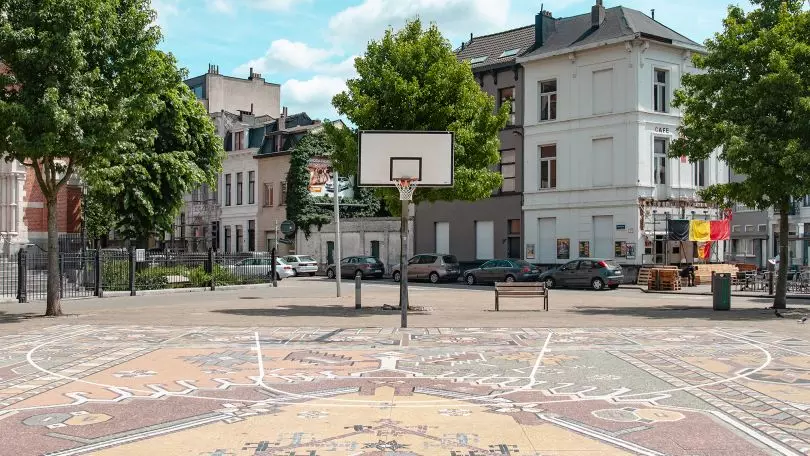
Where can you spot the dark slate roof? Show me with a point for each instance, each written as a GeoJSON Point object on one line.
{"type": "Point", "coordinates": [569, 32]}
{"type": "Point", "coordinates": [619, 22]}
{"type": "Point", "coordinates": [492, 46]}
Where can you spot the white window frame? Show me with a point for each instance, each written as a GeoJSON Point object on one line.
{"type": "Point", "coordinates": [549, 160]}
{"type": "Point", "coordinates": [661, 89]}
{"type": "Point", "coordinates": [547, 99]}
{"type": "Point", "coordinates": [699, 173]}
{"type": "Point", "coordinates": [665, 161]}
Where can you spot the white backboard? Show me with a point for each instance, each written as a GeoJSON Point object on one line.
{"type": "Point", "coordinates": [423, 155]}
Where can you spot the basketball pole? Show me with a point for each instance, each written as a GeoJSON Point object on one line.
{"type": "Point", "coordinates": [403, 261]}
{"type": "Point", "coordinates": [338, 269]}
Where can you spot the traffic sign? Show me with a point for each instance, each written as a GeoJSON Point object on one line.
{"type": "Point", "coordinates": [287, 227]}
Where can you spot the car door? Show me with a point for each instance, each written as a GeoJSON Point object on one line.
{"type": "Point", "coordinates": [426, 266]}
{"type": "Point", "coordinates": [568, 274]}
{"type": "Point", "coordinates": [291, 260]}
{"type": "Point", "coordinates": [347, 267]}
{"type": "Point", "coordinates": [497, 273]}
{"type": "Point", "coordinates": [413, 266]}
{"type": "Point", "coordinates": [485, 272]}
{"type": "Point", "coordinates": [585, 272]}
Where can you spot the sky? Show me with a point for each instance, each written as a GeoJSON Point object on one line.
{"type": "Point", "coordinates": [309, 46]}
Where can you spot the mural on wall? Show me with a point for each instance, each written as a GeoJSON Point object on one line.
{"type": "Point", "coordinates": [563, 248]}
{"type": "Point", "coordinates": [321, 182]}
{"type": "Point", "coordinates": [584, 249]}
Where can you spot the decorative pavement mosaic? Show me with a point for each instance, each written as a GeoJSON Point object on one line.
{"type": "Point", "coordinates": [128, 390]}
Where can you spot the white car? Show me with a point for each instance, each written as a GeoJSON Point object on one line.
{"type": "Point", "coordinates": [261, 267]}
{"type": "Point", "coordinates": [302, 264]}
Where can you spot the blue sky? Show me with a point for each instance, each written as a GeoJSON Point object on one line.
{"type": "Point", "coordinates": [308, 46]}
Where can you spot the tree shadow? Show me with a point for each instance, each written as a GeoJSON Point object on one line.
{"type": "Point", "coordinates": [6, 317]}
{"type": "Point", "coordinates": [686, 311]}
{"type": "Point", "coordinates": [317, 311]}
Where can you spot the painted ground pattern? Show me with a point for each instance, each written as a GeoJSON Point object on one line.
{"type": "Point", "coordinates": [127, 390]}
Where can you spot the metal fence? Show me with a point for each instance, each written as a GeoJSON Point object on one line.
{"type": "Point", "coordinates": [92, 272]}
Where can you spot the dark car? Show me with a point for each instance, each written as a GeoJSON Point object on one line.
{"type": "Point", "coordinates": [502, 271]}
{"type": "Point", "coordinates": [364, 266]}
{"type": "Point", "coordinates": [593, 273]}
{"type": "Point", "coordinates": [434, 267]}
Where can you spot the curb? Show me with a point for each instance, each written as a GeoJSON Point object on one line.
{"type": "Point", "coordinates": [743, 295]}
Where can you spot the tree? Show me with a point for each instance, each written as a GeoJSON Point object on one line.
{"type": "Point", "coordinates": [412, 80]}
{"type": "Point", "coordinates": [752, 99]}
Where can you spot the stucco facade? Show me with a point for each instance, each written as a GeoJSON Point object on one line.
{"type": "Point", "coordinates": [227, 93]}
{"type": "Point", "coordinates": [272, 209]}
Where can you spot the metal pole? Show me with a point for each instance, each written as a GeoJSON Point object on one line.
{"type": "Point", "coordinates": [132, 270]}
{"type": "Point", "coordinates": [403, 261]}
{"type": "Point", "coordinates": [273, 266]}
{"type": "Point", "coordinates": [276, 236]}
{"type": "Point", "coordinates": [358, 301]}
{"type": "Point", "coordinates": [338, 257]}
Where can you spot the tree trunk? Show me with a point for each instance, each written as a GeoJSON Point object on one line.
{"type": "Point", "coordinates": [780, 298]}
{"type": "Point", "coordinates": [54, 306]}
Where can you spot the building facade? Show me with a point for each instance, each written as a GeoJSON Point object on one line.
{"type": "Point", "coordinates": [490, 228]}
{"type": "Point", "coordinates": [598, 125]}
{"type": "Point", "coordinates": [227, 93]}
{"type": "Point", "coordinates": [798, 232]}
{"type": "Point", "coordinates": [749, 233]}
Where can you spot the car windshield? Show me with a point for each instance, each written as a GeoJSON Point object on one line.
{"type": "Point", "coordinates": [450, 259]}
{"type": "Point", "coordinates": [305, 258]}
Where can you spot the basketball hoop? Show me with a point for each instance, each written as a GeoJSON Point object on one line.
{"type": "Point", "coordinates": [406, 187]}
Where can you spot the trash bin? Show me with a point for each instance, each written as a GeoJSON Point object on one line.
{"type": "Point", "coordinates": [721, 291]}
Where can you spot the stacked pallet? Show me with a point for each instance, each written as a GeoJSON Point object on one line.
{"type": "Point", "coordinates": [664, 279]}
{"type": "Point", "coordinates": [645, 272]}
{"type": "Point", "coordinates": [703, 274]}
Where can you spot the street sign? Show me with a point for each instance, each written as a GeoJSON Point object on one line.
{"type": "Point", "coordinates": [287, 227]}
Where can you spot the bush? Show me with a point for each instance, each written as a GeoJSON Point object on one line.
{"type": "Point", "coordinates": [153, 278]}
{"type": "Point", "coordinates": [223, 276]}
{"type": "Point", "coordinates": [115, 275]}
{"type": "Point", "coordinates": [199, 278]}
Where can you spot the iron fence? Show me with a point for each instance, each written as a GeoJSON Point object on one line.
{"type": "Point", "coordinates": [92, 272]}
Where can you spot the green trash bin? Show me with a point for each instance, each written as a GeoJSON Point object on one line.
{"type": "Point", "coordinates": [721, 291]}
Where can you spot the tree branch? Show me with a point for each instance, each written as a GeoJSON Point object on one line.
{"type": "Point", "coordinates": [68, 173]}
{"type": "Point", "coordinates": [40, 179]}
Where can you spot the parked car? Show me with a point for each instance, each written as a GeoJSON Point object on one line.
{"type": "Point", "coordinates": [430, 266]}
{"type": "Point", "coordinates": [595, 273]}
{"type": "Point", "coordinates": [502, 271]}
{"type": "Point", "coordinates": [343, 184]}
{"type": "Point", "coordinates": [302, 264]}
{"type": "Point", "coordinates": [364, 266]}
{"type": "Point", "coordinates": [261, 267]}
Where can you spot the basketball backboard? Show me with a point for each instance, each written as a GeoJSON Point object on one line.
{"type": "Point", "coordinates": [386, 156]}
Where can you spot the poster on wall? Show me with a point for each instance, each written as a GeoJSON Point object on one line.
{"type": "Point", "coordinates": [529, 251]}
{"type": "Point", "coordinates": [631, 251]}
{"type": "Point", "coordinates": [563, 249]}
{"type": "Point", "coordinates": [584, 249]}
{"type": "Point", "coordinates": [620, 249]}
{"type": "Point", "coordinates": [321, 182]}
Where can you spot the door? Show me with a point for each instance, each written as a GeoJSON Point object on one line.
{"type": "Point", "coordinates": [487, 272]}
{"type": "Point", "coordinates": [425, 266]}
{"type": "Point", "coordinates": [568, 274]}
{"type": "Point", "coordinates": [585, 273]}
{"type": "Point", "coordinates": [375, 249]}
{"type": "Point", "coordinates": [484, 240]}
{"type": "Point", "coordinates": [347, 267]}
{"type": "Point", "coordinates": [547, 243]}
{"type": "Point", "coordinates": [330, 252]}
{"type": "Point", "coordinates": [442, 237]}
{"type": "Point", "coordinates": [413, 266]}
{"type": "Point", "coordinates": [603, 230]}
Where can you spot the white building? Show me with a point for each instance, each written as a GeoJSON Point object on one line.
{"type": "Point", "coordinates": [598, 125]}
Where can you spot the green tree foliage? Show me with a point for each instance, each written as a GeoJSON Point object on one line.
{"type": "Point", "coordinates": [99, 217]}
{"type": "Point", "coordinates": [752, 99]}
{"type": "Point", "coordinates": [412, 80]}
{"type": "Point", "coordinates": [87, 90]}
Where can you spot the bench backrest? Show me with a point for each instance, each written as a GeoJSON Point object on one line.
{"type": "Point", "coordinates": [538, 287]}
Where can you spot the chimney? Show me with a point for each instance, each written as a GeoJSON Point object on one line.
{"type": "Point", "coordinates": [597, 14]}
{"type": "Point", "coordinates": [544, 26]}
{"type": "Point", "coordinates": [652, 11]}
{"type": "Point", "coordinates": [250, 78]}
{"type": "Point", "coordinates": [282, 124]}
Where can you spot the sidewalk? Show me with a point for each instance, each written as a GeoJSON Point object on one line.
{"type": "Point", "coordinates": [706, 290]}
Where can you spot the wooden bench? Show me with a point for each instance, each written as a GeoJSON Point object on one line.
{"type": "Point", "coordinates": [521, 290]}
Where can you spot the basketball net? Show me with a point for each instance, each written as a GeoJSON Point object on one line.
{"type": "Point", "coordinates": [406, 188]}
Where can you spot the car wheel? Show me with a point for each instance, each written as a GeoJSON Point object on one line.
{"type": "Point", "coordinates": [312, 274]}
{"type": "Point", "coordinates": [470, 279]}
{"type": "Point", "coordinates": [278, 277]}
{"type": "Point", "coordinates": [295, 272]}
{"type": "Point", "coordinates": [598, 284]}
{"type": "Point", "coordinates": [613, 287]}
{"type": "Point", "coordinates": [550, 282]}
{"type": "Point", "coordinates": [434, 277]}
{"type": "Point", "coordinates": [396, 276]}
{"type": "Point", "coordinates": [510, 279]}
{"type": "Point", "coordinates": [358, 274]}
{"type": "Point", "coordinates": [330, 273]}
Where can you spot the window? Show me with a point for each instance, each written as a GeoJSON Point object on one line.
{"type": "Point", "coordinates": [477, 60]}
{"type": "Point", "coordinates": [238, 189]}
{"type": "Point", "coordinates": [283, 200]}
{"type": "Point", "coordinates": [514, 226]}
{"type": "Point", "coordinates": [268, 194]}
{"type": "Point", "coordinates": [238, 238]}
{"type": "Point", "coordinates": [508, 170]}
{"type": "Point", "coordinates": [548, 166]}
{"type": "Point", "coordinates": [735, 228]}
{"type": "Point", "coordinates": [215, 236]}
{"type": "Point", "coordinates": [251, 235]}
{"type": "Point", "coordinates": [227, 239]}
{"type": "Point", "coordinates": [660, 91]}
{"type": "Point", "coordinates": [762, 228]}
{"type": "Point", "coordinates": [700, 173]}
{"type": "Point", "coordinates": [509, 53]}
{"type": "Point", "coordinates": [504, 95]}
{"type": "Point", "coordinates": [198, 91]}
{"type": "Point", "coordinates": [238, 140]}
{"type": "Point", "coordinates": [182, 225]}
{"type": "Point", "coordinates": [749, 228]}
{"type": "Point", "coordinates": [806, 201]}
{"type": "Point", "coordinates": [660, 161]}
{"type": "Point", "coordinates": [548, 99]}
{"type": "Point", "coordinates": [251, 187]}
{"type": "Point", "coordinates": [227, 189]}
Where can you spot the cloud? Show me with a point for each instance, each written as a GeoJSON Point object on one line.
{"type": "Point", "coordinates": [229, 6]}
{"type": "Point", "coordinates": [313, 95]}
{"type": "Point", "coordinates": [165, 9]}
{"type": "Point", "coordinates": [357, 24]}
{"type": "Point", "coordinates": [292, 56]}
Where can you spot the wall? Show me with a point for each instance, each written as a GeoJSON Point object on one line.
{"type": "Point", "coordinates": [356, 236]}
{"type": "Point", "coordinates": [236, 214]}
{"type": "Point", "coordinates": [235, 94]}
{"type": "Point", "coordinates": [13, 232]}
{"type": "Point", "coordinates": [273, 170]}
{"type": "Point", "coordinates": [35, 214]}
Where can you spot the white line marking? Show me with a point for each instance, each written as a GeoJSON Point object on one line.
{"type": "Point", "coordinates": [756, 435]}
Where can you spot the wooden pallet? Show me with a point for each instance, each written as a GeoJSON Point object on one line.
{"type": "Point", "coordinates": [703, 275]}
{"type": "Point", "coordinates": [645, 272]}
{"type": "Point", "coordinates": [664, 279]}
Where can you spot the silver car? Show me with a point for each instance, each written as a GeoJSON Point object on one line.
{"type": "Point", "coordinates": [434, 267]}
{"type": "Point", "coordinates": [302, 264]}
{"type": "Point", "coordinates": [261, 267]}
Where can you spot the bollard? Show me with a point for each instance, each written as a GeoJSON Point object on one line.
{"type": "Point", "coordinates": [61, 275]}
{"type": "Point", "coordinates": [210, 268]}
{"type": "Point", "coordinates": [22, 262]}
{"type": "Point", "coordinates": [358, 278]}
{"type": "Point", "coordinates": [770, 282]}
{"type": "Point", "coordinates": [97, 272]}
{"type": "Point", "coordinates": [132, 271]}
{"type": "Point", "coordinates": [273, 266]}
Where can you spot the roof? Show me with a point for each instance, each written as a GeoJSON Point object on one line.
{"type": "Point", "coordinates": [569, 32]}
{"type": "Point", "coordinates": [493, 46]}
{"type": "Point", "coordinates": [576, 31]}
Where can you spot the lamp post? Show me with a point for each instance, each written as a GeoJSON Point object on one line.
{"type": "Point", "coordinates": [655, 237]}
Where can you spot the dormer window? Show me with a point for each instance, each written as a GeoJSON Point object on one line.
{"type": "Point", "coordinates": [510, 53]}
{"type": "Point", "coordinates": [478, 60]}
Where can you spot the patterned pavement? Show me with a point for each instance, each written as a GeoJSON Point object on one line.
{"type": "Point", "coordinates": [135, 390]}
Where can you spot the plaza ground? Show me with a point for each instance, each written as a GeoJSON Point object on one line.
{"type": "Point", "coordinates": [295, 371]}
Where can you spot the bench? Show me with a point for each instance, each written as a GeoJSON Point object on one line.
{"type": "Point", "coordinates": [521, 290]}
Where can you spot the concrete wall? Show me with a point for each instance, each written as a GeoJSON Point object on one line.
{"type": "Point", "coordinates": [356, 236]}
{"type": "Point", "coordinates": [273, 171]}
{"type": "Point", "coordinates": [234, 94]}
